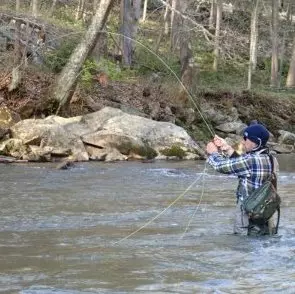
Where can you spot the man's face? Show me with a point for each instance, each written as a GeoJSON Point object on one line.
{"type": "Point", "coordinates": [248, 145]}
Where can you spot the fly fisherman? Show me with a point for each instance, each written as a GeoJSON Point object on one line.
{"type": "Point", "coordinates": [252, 169]}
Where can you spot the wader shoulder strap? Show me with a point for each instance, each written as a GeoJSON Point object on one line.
{"type": "Point", "coordinates": [274, 182]}
{"type": "Point", "coordinates": [273, 175]}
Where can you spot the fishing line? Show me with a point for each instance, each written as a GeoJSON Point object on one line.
{"type": "Point", "coordinates": [194, 104]}
{"type": "Point", "coordinates": [199, 203]}
{"type": "Point", "coordinates": [159, 214]}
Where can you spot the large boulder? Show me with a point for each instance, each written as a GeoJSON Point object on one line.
{"type": "Point", "coordinates": [109, 134]}
{"type": "Point", "coordinates": [118, 129]}
{"type": "Point", "coordinates": [51, 132]}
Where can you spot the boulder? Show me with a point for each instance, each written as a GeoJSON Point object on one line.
{"type": "Point", "coordinates": [231, 127]}
{"type": "Point", "coordinates": [283, 148]}
{"type": "Point", "coordinates": [7, 117]}
{"type": "Point", "coordinates": [286, 137]}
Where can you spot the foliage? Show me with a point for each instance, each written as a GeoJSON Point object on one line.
{"type": "Point", "coordinates": [149, 61]}
{"type": "Point", "coordinates": [114, 70]}
{"type": "Point", "coordinates": [56, 59]}
{"type": "Point", "coordinates": [88, 69]}
{"type": "Point", "coordinates": [145, 151]}
{"type": "Point", "coordinates": [174, 150]}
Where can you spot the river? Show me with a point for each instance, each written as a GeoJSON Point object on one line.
{"type": "Point", "coordinates": [64, 231]}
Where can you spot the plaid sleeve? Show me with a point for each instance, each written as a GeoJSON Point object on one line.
{"type": "Point", "coordinates": [238, 166]}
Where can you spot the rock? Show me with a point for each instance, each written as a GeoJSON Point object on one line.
{"type": "Point", "coordinates": [13, 147]}
{"type": "Point", "coordinates": [108, 134]}
{"type": "Point", "coordinates": [65, 165]}
{"type": "Point", "coordinates": [286, 137]}
{"type": "Point", "coordinates": [231, 127]}
{"type": "Point", "coordinates": [283, 148]}
{"type": "Point", "coordinates": [8, 118]}
{"type": "Point", "coordinates": [53, 131]}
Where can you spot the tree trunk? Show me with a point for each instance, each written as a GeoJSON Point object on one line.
{"type": "Point", "coordinates": [275, 58]}
{"type": "Point", "coordinates": [164, 29]}
{"type": "Point", "coordinates": [144, 10]}
{"type": "Point", "coordinates": [188, 68]}
{"type": "Point", "coordinates": [290, 83]}
{"type": "Point", "coordinates": [216, 52]}
{"type": "Point", "coordinates": [174, 24]}
{"type": "Point", "coordinates": [137, 9]}
{"type": "Point", "coordinates": [80, 10]}
{"type": "Point", "coordinates": [95, 5]}
{"type": "Point", "coordinates": [212, 17]}
{"type": "Point", "coordinates": [130, 18]}
{"type": "Point", "coordinates": [35, 8]}
{"type": "Point", "coordinates": [17, 5]}
{"type": "Point", "coordinates": [253, 41]}
{"type": "Point", "coordinates": [52, 7]}
{"type": "Point", "coordinates": [16, 77]}
{"type": "Point", "coordinates": [68, 77]}
{"type": "Point", "coordinates": [166, 19]}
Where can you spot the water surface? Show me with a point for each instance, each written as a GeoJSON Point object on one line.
{"type": "Point", "coordinates": [62, 231]}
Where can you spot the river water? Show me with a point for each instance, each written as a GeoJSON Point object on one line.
{"type": "Point", "coordinates": [64, 231]}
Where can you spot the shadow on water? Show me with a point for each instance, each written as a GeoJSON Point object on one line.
{"type": "Point", "coordinates": [58, 231]}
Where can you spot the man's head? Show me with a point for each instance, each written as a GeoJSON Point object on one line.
{"type": "Point", "coordinates": [255, 137]}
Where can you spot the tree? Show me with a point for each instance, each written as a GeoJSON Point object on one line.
{"type": "Point", "coordinates": [216, 52]}
{"type": "Point", "coordinates": [253, 41]}
{"type": "Point", "coordinates": [212, 17]}
{"type": "Point", "coordinates": [275, 58]}
{"type": "Point", "coordinates": [52, 7]}
{"type": "Point", "coordinates": [68, 77]}
{"type": "Point", "coordinates": [144, 10]}
{"type": "Point", "coordinates": [290, 83]}
{"type": "Point", "coordinates": [17, 5]}
{"type": "Point", "coordinates": [80, 9]}
{"type": "Point", "coordinates": [35, 8]}
{"type": "Point", "coordinates": [174, 25]}
{"type": "Point", "coordinates": [130, 13]}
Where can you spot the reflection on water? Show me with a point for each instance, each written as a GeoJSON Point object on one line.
{"type": "Point", "coordinates": [58, 231]}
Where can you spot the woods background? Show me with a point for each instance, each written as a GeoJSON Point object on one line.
{"type": "Point", "coordinates": [67, 56]}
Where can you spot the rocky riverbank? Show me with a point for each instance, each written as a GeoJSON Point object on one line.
{"type": "Point", "coordinates": [143, 120]}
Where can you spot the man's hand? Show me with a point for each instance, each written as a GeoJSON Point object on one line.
{"type": "Point", "coordinates": [211, 148]}
{"type": "Point", "coordinates": [223, 145]}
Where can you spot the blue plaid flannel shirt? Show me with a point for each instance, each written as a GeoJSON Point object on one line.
{"type": "Point", "coordinates": [252, 169]}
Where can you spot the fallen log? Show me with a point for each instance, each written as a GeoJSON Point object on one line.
{"type": "Point", "coordinates": [8, 159]}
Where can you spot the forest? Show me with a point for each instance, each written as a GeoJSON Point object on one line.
{"type": "Point", "coordinates": [159, 58]}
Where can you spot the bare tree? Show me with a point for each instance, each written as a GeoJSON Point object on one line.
{"type": "Point", "coordinates": [253, 41]}
{"type": "Point", "coordinates": [17, 5]}
{"type": "Point", "coordinates": [68, 77]}
{"type": "Point", "coordinates": [144, 10]}
{"type": "Point", "coordinates": [130, 12]}
{"type": "Point", "coordinates": [80, 10]}
{"type": "Point", "coordinates": [216, 52]}
{"type": "Point", "coordinates": [35, 8]}
{"type": "Point", "coordinates": [212, 17]}
{"type": "Point", "coordinates": [16, 76]}
{"type": "Point", "coordinates": [95, 5]}
{"type": "Point", "coordinates": [290, 83]}
{"type": "Point", "coordinates": [52, 7]}
{"type": "Point", "coordinates": [275, 58]}
{"type": "Point", "coordinates": [174, 23]}
{"type": "Point", "coordinates": [166, 19]}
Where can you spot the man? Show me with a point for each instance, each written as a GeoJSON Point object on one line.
{"type": "Point", "coordinates": [252, 169]}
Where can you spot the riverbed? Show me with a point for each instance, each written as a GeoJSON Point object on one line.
{"type": "Point", "coordinates": [77, 231]}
